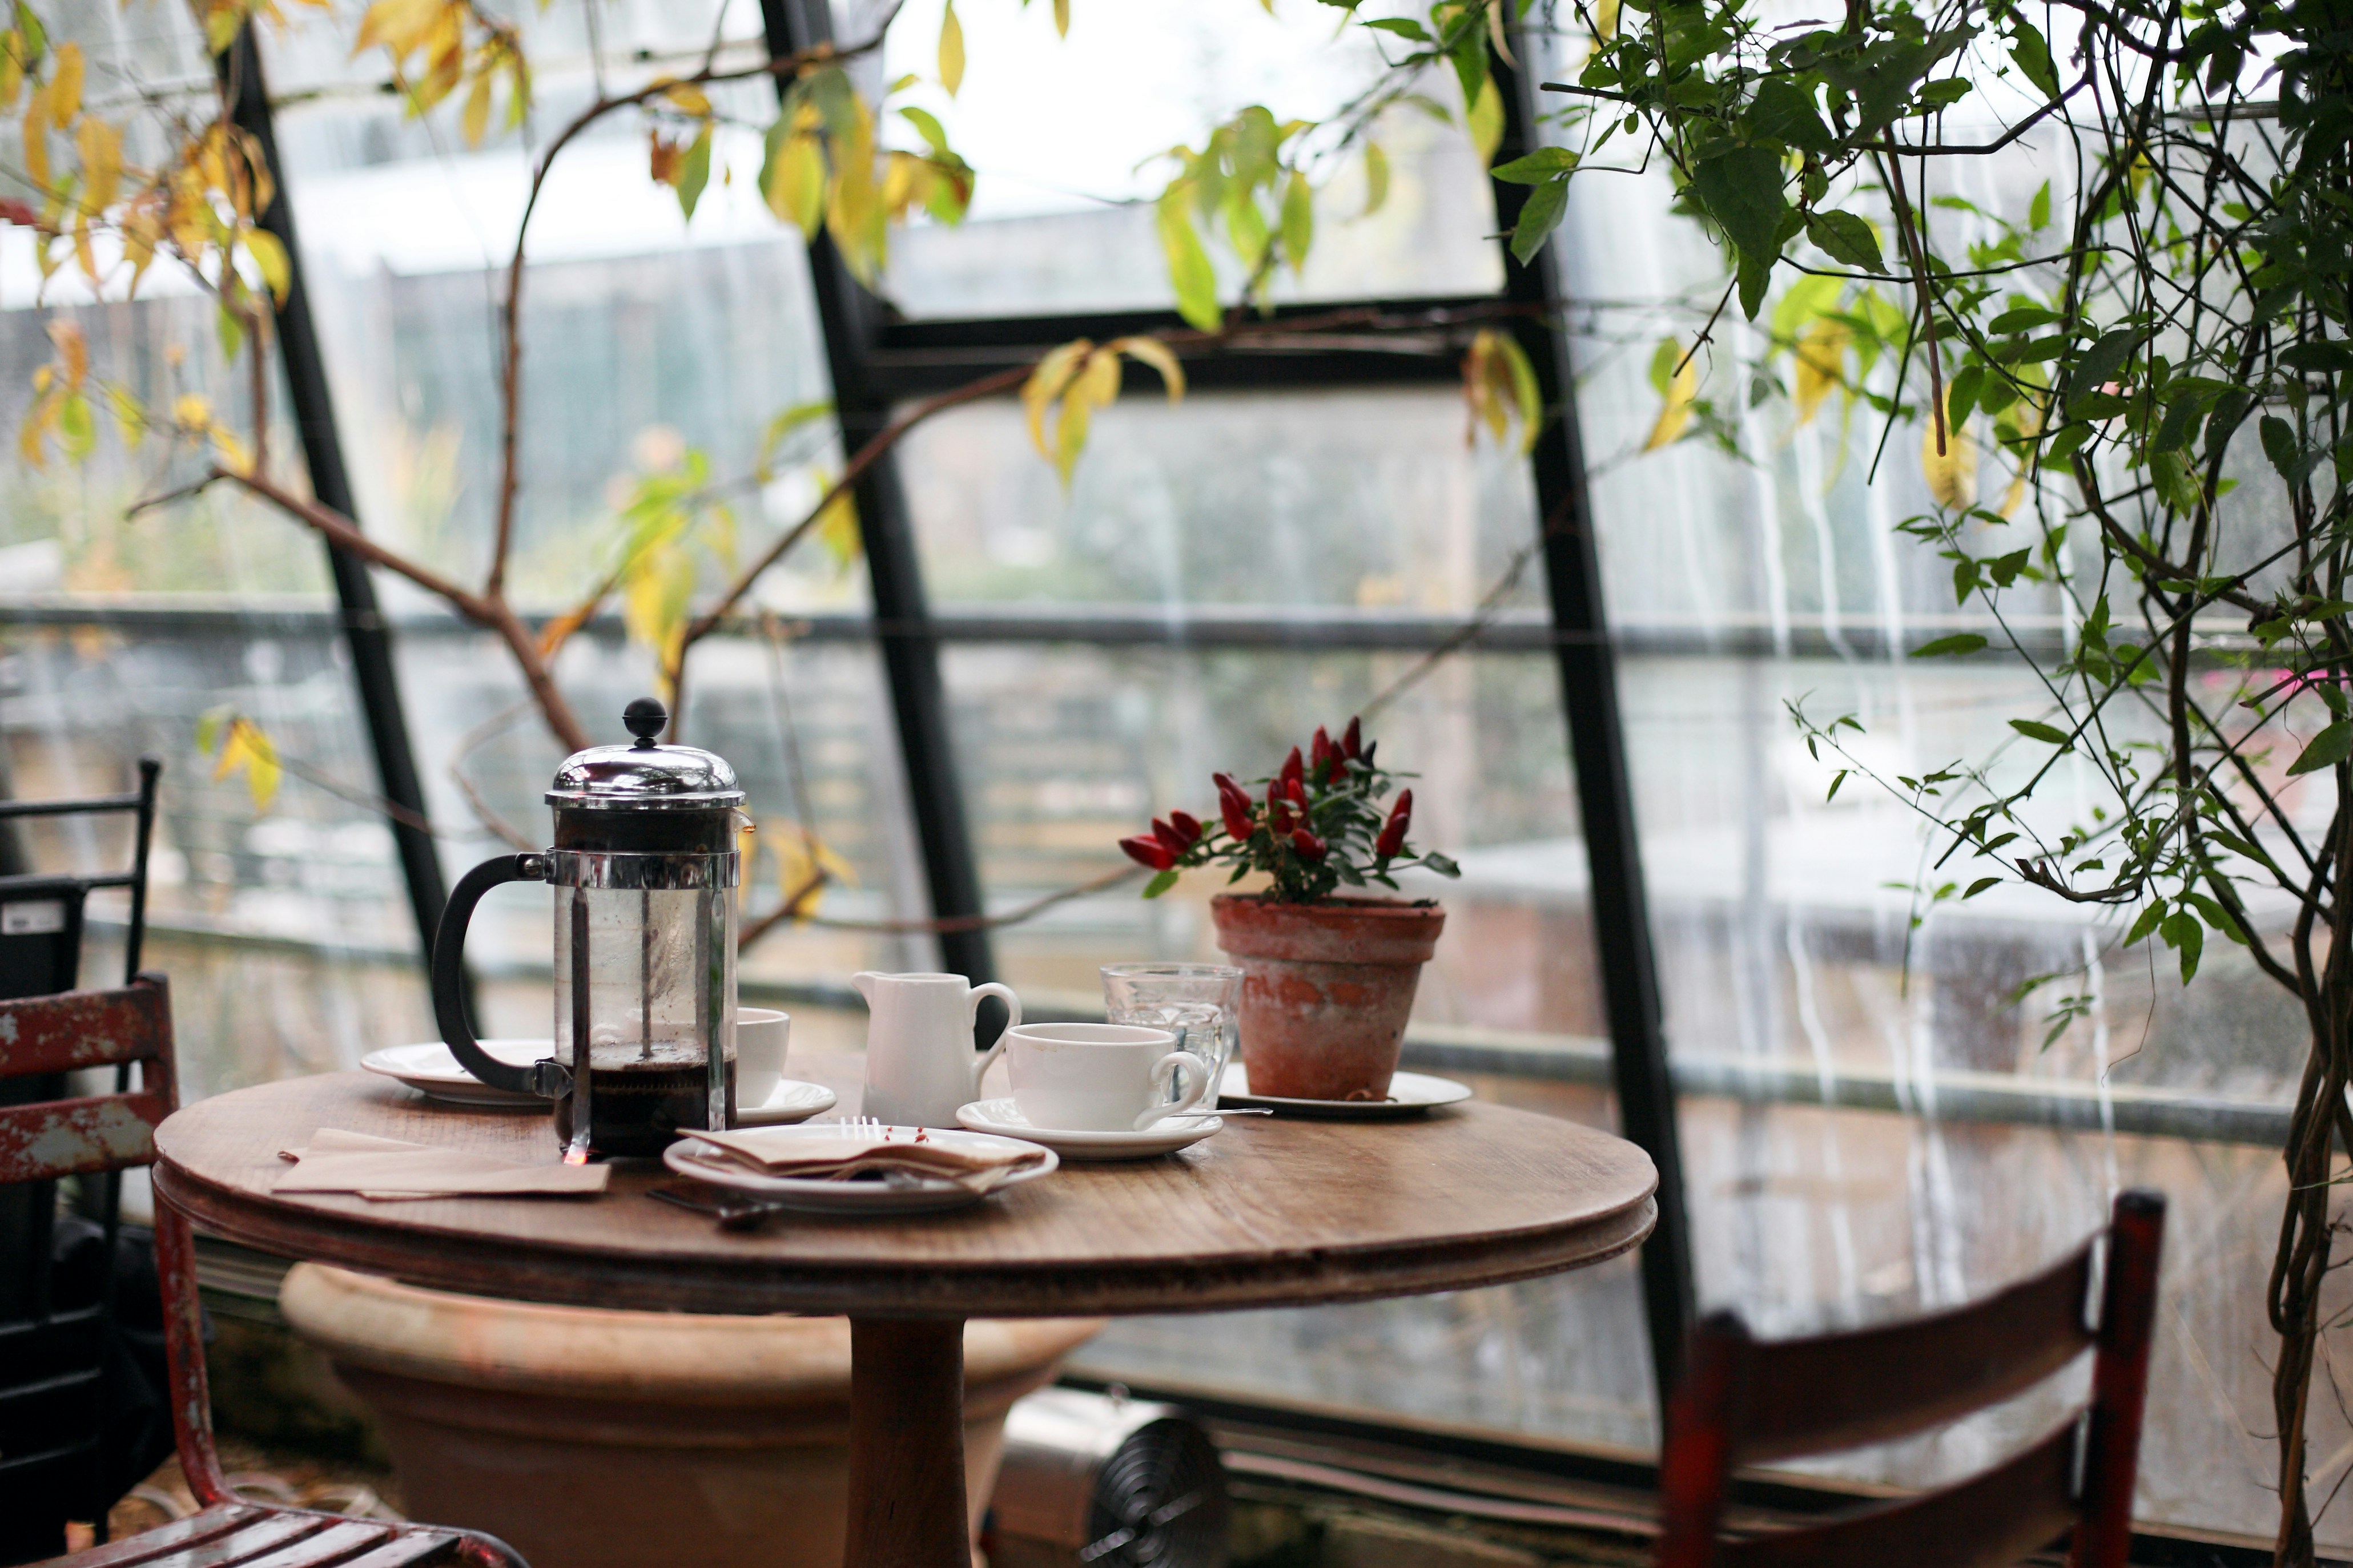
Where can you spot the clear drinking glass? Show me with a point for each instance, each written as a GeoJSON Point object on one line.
{"type": "Point", "coordinates": [1201, 1002]}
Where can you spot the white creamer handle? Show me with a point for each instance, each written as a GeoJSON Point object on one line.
{"type": "Point", "coordinates": [1012, 1016]}
{"type": "Point", "coordinates": [864, 980]}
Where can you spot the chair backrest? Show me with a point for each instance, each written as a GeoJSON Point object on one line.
{"type": "Point", "coordinates": [53, 1365]}
{"type": "Point", "coordinates": [1744, 1402]}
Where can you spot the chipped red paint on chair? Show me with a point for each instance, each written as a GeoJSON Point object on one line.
{"type": "Point", "coordinates": [77, 1029]}
{"type": "Point", "coordinates": [1743, 1402]}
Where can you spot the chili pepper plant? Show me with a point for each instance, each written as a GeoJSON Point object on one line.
{"type": "Point", "coordinates": [1316, 826]}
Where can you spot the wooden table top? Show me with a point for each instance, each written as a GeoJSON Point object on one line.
{"type": "Point", "coordinates": [1270, 1212]}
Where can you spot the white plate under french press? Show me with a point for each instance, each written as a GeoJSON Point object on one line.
{"type": "Point", "coordinates": [429, 1069]}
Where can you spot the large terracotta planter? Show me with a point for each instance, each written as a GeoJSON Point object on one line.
{"type": "Point", "coordinates": [1327, 989]}
{"type": "Point", "coordinates": [602, 1440]}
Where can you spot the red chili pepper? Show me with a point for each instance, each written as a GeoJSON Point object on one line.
{"type": "Point", "coordinates": [1170, 837]}
{"type": "Point", "coordinates": [1392, 838]}
{"type": "Point", "coordinates": [1146, 850]}
{"type": "Point", "coordinates": [1278, 808]}
{"type": "Point", "coordinates": [1188, 824]}
{"type": "Point", "coordinates": [1352, 740]}
{"type": "Point", "coordinates": [1235, 807]}
{"type": "Point", "coordinates": [1323, 756]}
{"type": "Point", "coordinates": [19, 213]}
{"type": "Point", "coordinates": [1293, 769]}
{"type": "Point", "coordinates": [1298, 792]}
{"type": "Point", "coordinates": [1310, 848]}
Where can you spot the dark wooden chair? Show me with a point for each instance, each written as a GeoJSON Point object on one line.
{"type": "Point", "coordinates": [1746, 1403]}
{"type": "Point", "coordinates": [92, 1134]}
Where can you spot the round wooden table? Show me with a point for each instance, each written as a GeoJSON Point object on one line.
{"type": "Point", "coordinates": [1270, 1213]}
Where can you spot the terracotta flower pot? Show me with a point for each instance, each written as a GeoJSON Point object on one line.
{"type": "Point", "coordinates": [612, 1439]}
{"type": "Point", "coordinates": [1327, 989]}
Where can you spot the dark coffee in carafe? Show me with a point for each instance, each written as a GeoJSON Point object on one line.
{"type": "Point", "coordinates": [638, 1109]}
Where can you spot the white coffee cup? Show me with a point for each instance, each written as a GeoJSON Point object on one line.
{"type": "Point", "coordinates": [1100, 1077]}
{"type": "Point", "coordinates": [761, 1036]}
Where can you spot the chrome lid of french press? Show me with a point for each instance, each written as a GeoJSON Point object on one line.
{"type": "Point", "coordinates": [646, 776]}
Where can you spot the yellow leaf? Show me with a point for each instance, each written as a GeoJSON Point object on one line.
{"type": "Point", "coordinates": [192, 412]}
{"type": "Point", "coordinates": [250, 749]}
{"type": "Point", "coordinates": [100, 145]}
{"type": "Point", "coordinates": [654, 596]}
{"type": "Point", "coordinates": [73, 349]}
{"type": "Point", "coordinates": [2015, 494]}
{"type": "Point", "coordinates": [951, 50]}
{"type": "Point", "coordinates": [1820, 365]}
{"type": "Point", "coordinates": [664, 159]}
{"type": "Point", "coordinates": [1046, 384]}
{"type": "Point", "coordinates": [1376, 178]}
{"type": "Point", "coordinates": [836, 527]}
{"type": "Point", "coordinates": [269, 255]}
{"type": "Point", "coordinates": [1062, 17]}
{"type": "Point", "coordinates": [1155, 353]}
{"type": "Point", "coordinates": [474, 124]}
{"type": "Point", "coordinates": [130, 415]}
{"type": "Point", "coordinates": [1604, 24]}
{"type": "Point", "coordinates": [1485, 122]}
{"type": "Point", "coordinates": [83, 251]}
{"type": "Point", "coordinates": [37, 420]}
{"type": "Point", "coordinates": [1676, 411]}
{"type": "Point", "coordinates": [689, 98]}
{"type": "Point", "coordinates": [65, 87]}
{"type": "Point", "coordinates": [233, 453]}
{"type": "Point", "coordinates": [37, 138]}
{"type": "Point", "coordinates": [12, 69]}
{"type": "Point", "coordinates": [1952, 474]}
{"type": "Point", "coordinates": [1096, 384]}
{"type": "Point", "coordinates": [399, 25]}
{"type": "Point", "coordinates": [796, 190]}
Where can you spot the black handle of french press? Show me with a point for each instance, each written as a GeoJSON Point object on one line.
{"type": "Point", "coordinates": [544, 1078]}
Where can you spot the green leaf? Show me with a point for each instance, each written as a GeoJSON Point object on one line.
{"type": "Point", "coordinates": [2145, 923]}
{"type": "Point", "coordinates": [2050, 735]}
{"type": "Point", "coordinates": [1961, 396]}
{"type": "Point", "coordinates": [1784, 111]}
{"type": "Point", "coordinates": [1536, 168]}
{"type": "Point", "coordinates": [1959, 642]}
{"type": "Point", "coordinates": [1298, 221]}
{"type": "Point", "coordinates": [2100, 362]}
{"type": "Point", "coordinates": [1980, 885]}
{"type": "Point", "coordinates": [1161, 882]}
{"type": "Point", "coordinates": [1196, 281]}
{"type": "Point", "coordinates": [2032, 53]}
{"type": "Point", "coordinates": [1400, 26]}
{"type": "Point", "coordinates": [2325, 750]}
{"type": "Point", "coordinates": [76, 430]}
{"type": "Point", "coordinates": [1539, 215]}
{"type": "Point", "coordinates": [1741, 188]}
{"type": "Point", "coordinates": [1842, 237]}
{"type": "Point", "coordinates": [2038, 211]}
{"type": "Point", "coordinates": [926, 125]}
{"type": "Point", "coordinates": [694, 171]}
{"type": "Point", "coordinates": [2182, 933]}
{"type": "Point", "coordinates": [2279, 443]}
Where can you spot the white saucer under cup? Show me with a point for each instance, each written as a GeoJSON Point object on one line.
{"type": "Point", "coordinates": [1003, 1117]}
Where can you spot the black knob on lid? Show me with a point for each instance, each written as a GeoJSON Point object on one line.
{"type": "Point", "coordinates": [645, 718]}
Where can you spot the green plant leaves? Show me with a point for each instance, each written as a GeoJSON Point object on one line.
{"type": "Point", "coordinates": [1842, 237]}
{"type": "Point", "coordinates": [1958, 643]}
{"type": "Point", "coordinates": [1741, 188]}
{"type": "Point", "coordinates": [2325, 750]}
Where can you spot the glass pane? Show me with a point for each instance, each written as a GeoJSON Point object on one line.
{"type": "Point", "coordinates": [1068, 136]}
{"type": "Point", "coordinates": [1775, 575]}
{"type": "Point", "coordinates": [1364, 504]}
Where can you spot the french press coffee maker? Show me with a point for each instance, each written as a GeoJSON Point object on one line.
{"type": "Point", "coordinates": [644, 868]}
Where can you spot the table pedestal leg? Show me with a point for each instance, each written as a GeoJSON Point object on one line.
{"type": "Point", "coordinates": [906, 1444]}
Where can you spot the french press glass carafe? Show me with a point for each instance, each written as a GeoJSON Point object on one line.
{"type": "Point", "coordinates": [644, 868]}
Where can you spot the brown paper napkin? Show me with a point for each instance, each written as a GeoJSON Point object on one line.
{"type": "Point", "coordinates": [338, 1161]}
{"type": "Point", "coordinates": [857, 1151]}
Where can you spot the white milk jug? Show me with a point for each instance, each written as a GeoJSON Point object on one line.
{"type": "Point", "coordinates": [920, 1064]}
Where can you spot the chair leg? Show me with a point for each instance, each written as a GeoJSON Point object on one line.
{"type": "Point", "coordinates": [2120, 1379]}
{"type": "Point", "coordinates": [184, 1353]}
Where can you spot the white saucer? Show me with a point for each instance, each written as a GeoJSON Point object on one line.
{"type": "Point", "coordinates": [430, 1070]}
{"type": "Point", "coordinates": [1411, 1094]}
{"type": "Point", "coordinates": [790, 1101]}
{"type": "Point", "coordinates": [923, 1195]}
{"type": "Point", "coordinates": [1003, 1118]}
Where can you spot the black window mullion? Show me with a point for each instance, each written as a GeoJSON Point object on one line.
{"type": "Point", "coordinates": [1589, 683]}
{"type": "Point", "coordinates": [849, 317]}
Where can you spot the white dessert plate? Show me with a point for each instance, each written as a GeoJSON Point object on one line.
{"type": "Point", "coordinates": [432, 1071]}
{"type": "Point", "coordinates": [914, 1195]}
{"type": "Point", "coordinates": [790, 1101]}
{"type": "Point", "coordinates": [1411, 1094]}
{"type": "Point", "coordinates": [1003, 1118]}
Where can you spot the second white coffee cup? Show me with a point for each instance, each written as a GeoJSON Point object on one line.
{"type": "Point", "coordinates": [761, 1035]}
{"type": "Point", "coordinates": [1101, 1078]}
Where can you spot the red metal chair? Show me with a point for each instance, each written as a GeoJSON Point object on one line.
{"type": "Point", "coordinates": [96, 1133]}
{"type": "Point", "coordinates": [1746, 1403]}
